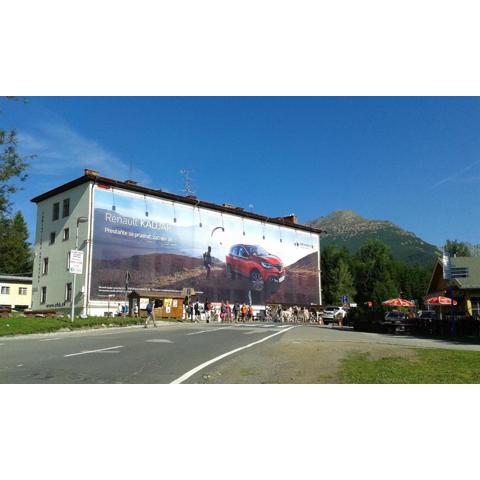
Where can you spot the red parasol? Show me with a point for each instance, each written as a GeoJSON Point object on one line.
{"type": "Point", "coordinates": [439, 301]}
{"type": "Point", "coordinates": [398, 302]}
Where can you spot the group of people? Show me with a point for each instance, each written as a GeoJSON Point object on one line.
{"type": "Point", "coordinates": [195, 312]}
{"type": "Point", "coordinates": [293, 314]}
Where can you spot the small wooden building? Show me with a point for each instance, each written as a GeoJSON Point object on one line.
{"type": "Point", "coordinates": [168, 304]}
{"type": "Point", "coordinates": [466, 290]}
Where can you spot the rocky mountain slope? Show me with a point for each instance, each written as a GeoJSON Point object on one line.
{"type": "Point", "coordinates": [344, 228]}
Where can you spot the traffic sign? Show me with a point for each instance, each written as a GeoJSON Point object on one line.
{"type": "Point", "coordinates": [76, 262]}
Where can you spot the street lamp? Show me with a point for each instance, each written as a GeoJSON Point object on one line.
{"type": "Point", "coordinates": [79, 220]}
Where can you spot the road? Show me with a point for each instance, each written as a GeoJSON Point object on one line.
{"type": "Point", "coordinates": [194, 353]}
{"type": "Point", "coordinates": [164, 354]}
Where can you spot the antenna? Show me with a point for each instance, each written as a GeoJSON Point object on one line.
{"type": "Point", "coordinates": [187, 182]}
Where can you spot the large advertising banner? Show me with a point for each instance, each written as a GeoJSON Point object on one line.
{"type": "Point", "coordinates": [166, 245]}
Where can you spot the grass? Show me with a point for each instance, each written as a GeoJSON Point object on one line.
{"type": "Point", "coordinates": [426, 366]}
{"type": "Point", "coordinates": [27, 325]}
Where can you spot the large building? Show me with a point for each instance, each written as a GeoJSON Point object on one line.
{"type": "Point", "coordinates": [15, 292]}
{"type": "Point", "coordinates": [137, 238]}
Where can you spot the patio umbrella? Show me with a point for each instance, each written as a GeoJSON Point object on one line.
{"type": "Point", "coordinates": [398, 302]}
{"type": "Point", "coordinates": [439, 301]}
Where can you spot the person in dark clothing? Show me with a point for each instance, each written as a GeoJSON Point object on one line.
{"type": "Point", "coordinates": [196, 309]}
{"type": "Point", "coordinates": [207, 260]}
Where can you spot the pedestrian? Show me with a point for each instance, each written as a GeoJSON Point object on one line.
{"type": "Point", "coordinates": [208, 311]}
{"type": "Point", "coordinates": [196, 308]}
{"type": "Point", "coordinates": [250, 313]}
{"type": "Point", "coordinates": [119, 310]}
{"type": "Point", "coordinates": [236, 311]}
{"type": "Point", "coordinates": [150, 313]}
{"type": "Point", "coordinates": [223, 312]}
{"type": "Point", "coordinates": [306, 315]}
{"type": "Point", "coordinates": [135, 310]}
{"type": "Point", "coordinates": [207, 260]}
{"type": "Point", "coordinates": [229, 312]}
{"type": "Point", "coordinates": [244, 311]}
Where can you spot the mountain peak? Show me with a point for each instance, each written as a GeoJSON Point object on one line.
{"type": "Point", "coordinates": [345, 228]}
{"type": "Point", "coordinates": [345, 215]}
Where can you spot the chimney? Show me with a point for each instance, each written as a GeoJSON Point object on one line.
{"type": "Point", "coordinates": [91, 173]}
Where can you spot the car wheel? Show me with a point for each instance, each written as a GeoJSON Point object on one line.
{"type": "Point", "coordinates": [230, 272]}
{"type": "Point", "coordinates": [257, 281]}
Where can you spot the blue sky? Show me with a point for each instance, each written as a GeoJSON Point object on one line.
{"type": "Point", "coordinates": [414, 161]}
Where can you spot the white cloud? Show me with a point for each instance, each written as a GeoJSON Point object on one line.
{"type": "Point", "coordinates": [457, 176]}
{"type": "Point", "coordinates": [60, 151]}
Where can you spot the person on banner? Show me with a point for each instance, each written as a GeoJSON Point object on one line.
{"type": "Point", "coordinates": [207, 261]}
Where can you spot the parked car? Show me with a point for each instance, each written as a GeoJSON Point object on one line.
{"type": "Point", "coordinates": [255, 263]}
{"type": "Point", "coordinates": [330, 314]}
{"type": "Point", "coordinates": [395, 318]}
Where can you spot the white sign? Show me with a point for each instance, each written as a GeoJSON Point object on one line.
{"type": "Point", "coordinates": [447, 273]}
{"type": "Point", "coordinates": [76, 262]}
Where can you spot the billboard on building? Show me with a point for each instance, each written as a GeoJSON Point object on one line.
{"type": "Point", "coordinates": [165, 245]}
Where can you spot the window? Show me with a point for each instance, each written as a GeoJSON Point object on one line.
{"type": "Point", "coordinates": [43, 295]}
{"type": "Point", "coordinates": [66, 208]}
{"type": "Point", "coordinates": [5, 290]}
{"type": "Point", "coordinates": [66, 234]}
{"type": "Point", "coordinates": [475, 305]}
{"type": "Point", "coordinates": [68, 261]}
{"type": "Point", "coordinates": [22, 290]}
{"type": "Point", "coordinates": [52, 238]}
{"type": "Point", "coordinates": [45, 266]}
{"type": "Point", "coordinates": [56, 211]}
{"type": "Point", "coordinates": [68, 292]}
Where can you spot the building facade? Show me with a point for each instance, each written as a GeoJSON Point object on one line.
{"type": "Point", "coordinates": [15, 292]}
{"type": "Point", "coordinates": [465, 289]}
{"type": "Point", "coordinates": [133, 237]}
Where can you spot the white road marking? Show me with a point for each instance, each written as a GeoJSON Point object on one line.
{"type": "Point", "coordinates": [20, 365]}
{"type": "Point", "coordinates": [195, 370]}
{"type": "Point", "coordinates": [253, 332]}
{"type": "Point", "coordinates": [208, 331]}
{"type": "Point", "coordinates": [158, 340]}
{"type": "Point", "coordinates": [1, 344]}
{"type": "Point", "coordinates": [92, 351]}
{"type": "Point", "coordinates": [49, 339]}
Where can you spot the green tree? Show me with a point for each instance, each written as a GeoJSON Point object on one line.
{"type": "Point", "coordinates": [375, 273]}
{"type": "Point", "coordinates": [337, 279]}
{"type": "Point", "coordinates": [15, 251]}
{"type": "Point", "coordinates": [454, 248]}
{"type": "Point", "coordinates": [12, 167]}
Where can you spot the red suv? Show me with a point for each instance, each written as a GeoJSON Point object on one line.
{"type": "Point", "coordinates": [253, 262]}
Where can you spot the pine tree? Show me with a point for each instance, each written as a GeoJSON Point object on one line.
{"type": "Point", "coordinates": [15, 251]}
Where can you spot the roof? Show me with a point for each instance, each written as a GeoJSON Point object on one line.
{"type": "Point", "coordinates": [472, 282]}
{"type": "Point", "coordinates": [473, 265]}
{"type": "Point", "coordinates": [92, 176]}
{"type": "Point", "coordinates": [15, 278]}
{"type": "Point", "coordinates": [142, 293]}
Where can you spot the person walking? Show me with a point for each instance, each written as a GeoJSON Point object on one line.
{"type": "Point", "coordinates": [150, 313]}
{"type": "Point", "coordinates": [244, 312]}
{"type": "Point", "coordinates": [196, 309]}
{"type": "Point", "coordinates": [236, 311]}
{"type": "Point", "coordinates": [208, 311]}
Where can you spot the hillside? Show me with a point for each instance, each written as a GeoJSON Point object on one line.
{"type": "Point", "coordinates": [344, 228]}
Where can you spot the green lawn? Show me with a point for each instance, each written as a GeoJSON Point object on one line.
{"type": "Point", "coordinates": [25, 325]}
{"type": "Point", "coordinates": [426, 366]}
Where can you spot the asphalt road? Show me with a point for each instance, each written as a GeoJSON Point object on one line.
{"type": "Point", "coordinates": [189, 353]}
{"type": "Point", "coordinates": [124, 355]}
